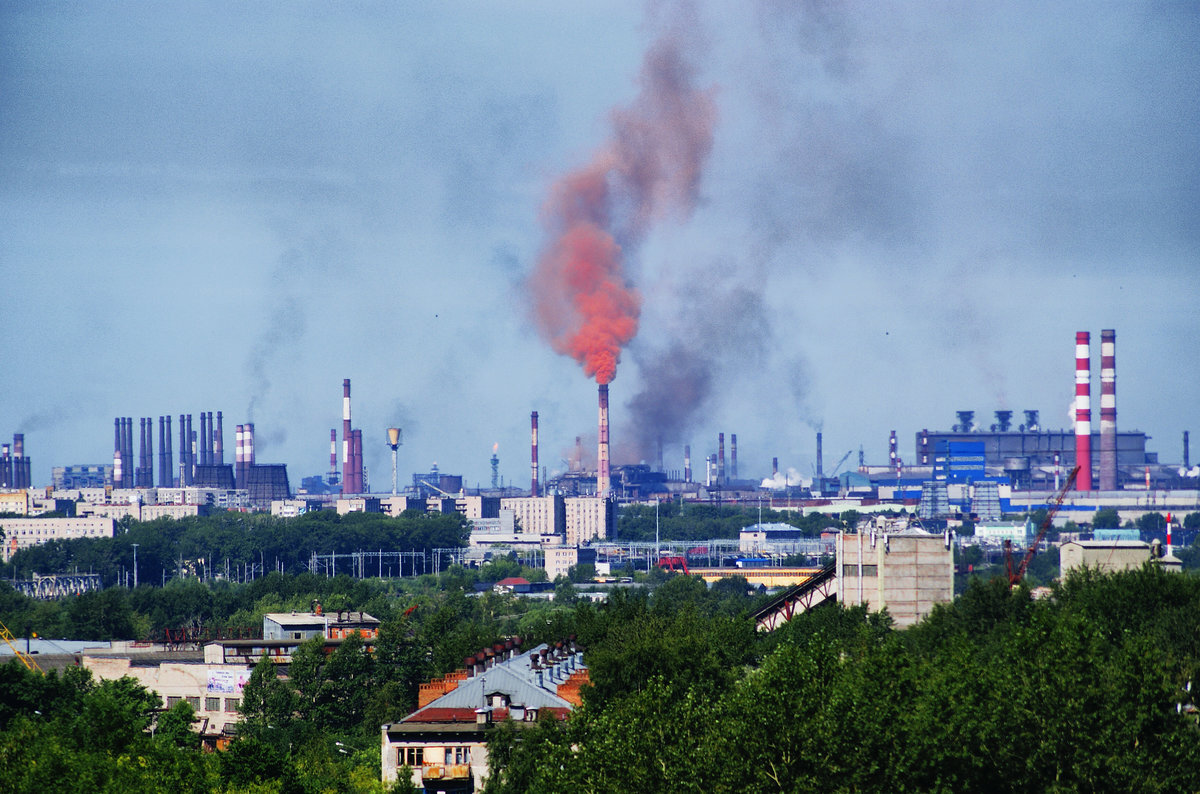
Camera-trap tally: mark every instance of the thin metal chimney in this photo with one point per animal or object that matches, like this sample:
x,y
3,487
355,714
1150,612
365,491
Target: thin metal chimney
x,y
533,447
687,462
720,459
603,476
733,456
169,479
1108,410
820,455
774,467
1083,410
1186,457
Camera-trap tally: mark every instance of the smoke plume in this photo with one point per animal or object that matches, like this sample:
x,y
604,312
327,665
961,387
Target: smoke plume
x,y
596,216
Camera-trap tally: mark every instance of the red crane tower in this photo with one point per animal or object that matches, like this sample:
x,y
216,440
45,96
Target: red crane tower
x,y
1015,576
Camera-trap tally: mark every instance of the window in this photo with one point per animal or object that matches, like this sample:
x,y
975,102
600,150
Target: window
x,y
411,757
231,704
172,700
212,704
870,570
462,755
194,702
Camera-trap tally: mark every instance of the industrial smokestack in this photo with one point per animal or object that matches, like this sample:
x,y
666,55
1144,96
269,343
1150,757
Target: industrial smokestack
x,y
1083,410
687,462
169,476
774,467
356,461
239,456
393,435
248,440
733,456
147,452
893,450
720,459
348,484
210,441
219,442
159,476
1108,410
820,455
118,469
332,453
603,481
202,445
577,465
184,441
1186,457
533,449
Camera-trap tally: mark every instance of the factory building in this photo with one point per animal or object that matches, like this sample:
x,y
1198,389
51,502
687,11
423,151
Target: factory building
x,y
903,569
15,468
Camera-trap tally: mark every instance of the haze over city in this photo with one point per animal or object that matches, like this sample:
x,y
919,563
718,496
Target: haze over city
x,y
887,213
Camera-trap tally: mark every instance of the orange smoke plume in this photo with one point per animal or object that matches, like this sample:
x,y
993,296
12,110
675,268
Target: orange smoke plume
x,y
584,303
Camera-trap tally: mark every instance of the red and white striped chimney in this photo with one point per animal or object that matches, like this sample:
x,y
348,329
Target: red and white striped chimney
x,y
347,465
533,422
603,475
333,450
1083,410
1108,410
687,462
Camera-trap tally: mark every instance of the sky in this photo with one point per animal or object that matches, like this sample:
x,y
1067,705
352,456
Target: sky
x,y
889,212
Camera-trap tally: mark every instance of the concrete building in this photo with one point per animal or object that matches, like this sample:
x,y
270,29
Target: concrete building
x,y
589,518
331,625
561,559
1107,556
444,742
538,515
22,533
905,570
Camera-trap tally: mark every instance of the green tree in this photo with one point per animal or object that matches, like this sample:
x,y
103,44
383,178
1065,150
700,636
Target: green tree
x,y
1151,522
267,701
1106,518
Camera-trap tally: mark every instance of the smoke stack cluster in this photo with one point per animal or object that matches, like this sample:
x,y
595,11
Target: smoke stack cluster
x,y
603,478
533,480
1083,410
15,468
243,454
1108,410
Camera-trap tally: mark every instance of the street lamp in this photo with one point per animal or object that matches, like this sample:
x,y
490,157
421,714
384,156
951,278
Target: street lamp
x,y
135,581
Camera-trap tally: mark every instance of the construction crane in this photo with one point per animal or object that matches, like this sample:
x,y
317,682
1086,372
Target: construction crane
x,y
838,467
1016,575
25,658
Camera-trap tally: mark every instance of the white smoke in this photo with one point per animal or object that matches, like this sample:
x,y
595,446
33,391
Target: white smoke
x,y
782,480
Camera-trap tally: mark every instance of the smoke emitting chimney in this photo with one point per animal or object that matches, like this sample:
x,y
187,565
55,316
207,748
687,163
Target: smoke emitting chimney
x,y
774,467
733,456
687,462
720,459
820,455
533,451
603,479
1083,410
1108,410
1186,455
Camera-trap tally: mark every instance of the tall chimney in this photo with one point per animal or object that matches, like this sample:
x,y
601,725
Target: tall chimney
x,y
191,452
348,485
733,456
219,442
159,477
893,451
1083,410
205,435
147,452
169,471
356,460
239,456
1186,457
603,480
1108,410
5,467
184,439
687,462
720,459
332,452
533,423
820,455
118,464
774,467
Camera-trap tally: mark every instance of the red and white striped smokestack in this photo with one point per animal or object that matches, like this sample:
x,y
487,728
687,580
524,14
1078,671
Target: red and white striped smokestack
x,y
239,456
347,467
333,450
687,462
356,460
117,439
603,477
1108,410
720,459
533,423
1083,410
248,445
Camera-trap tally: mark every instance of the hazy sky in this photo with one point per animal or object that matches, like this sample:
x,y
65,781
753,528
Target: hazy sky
x,y
907,209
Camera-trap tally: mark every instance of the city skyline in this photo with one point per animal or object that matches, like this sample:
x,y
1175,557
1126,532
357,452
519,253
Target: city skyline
x,y
905,212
